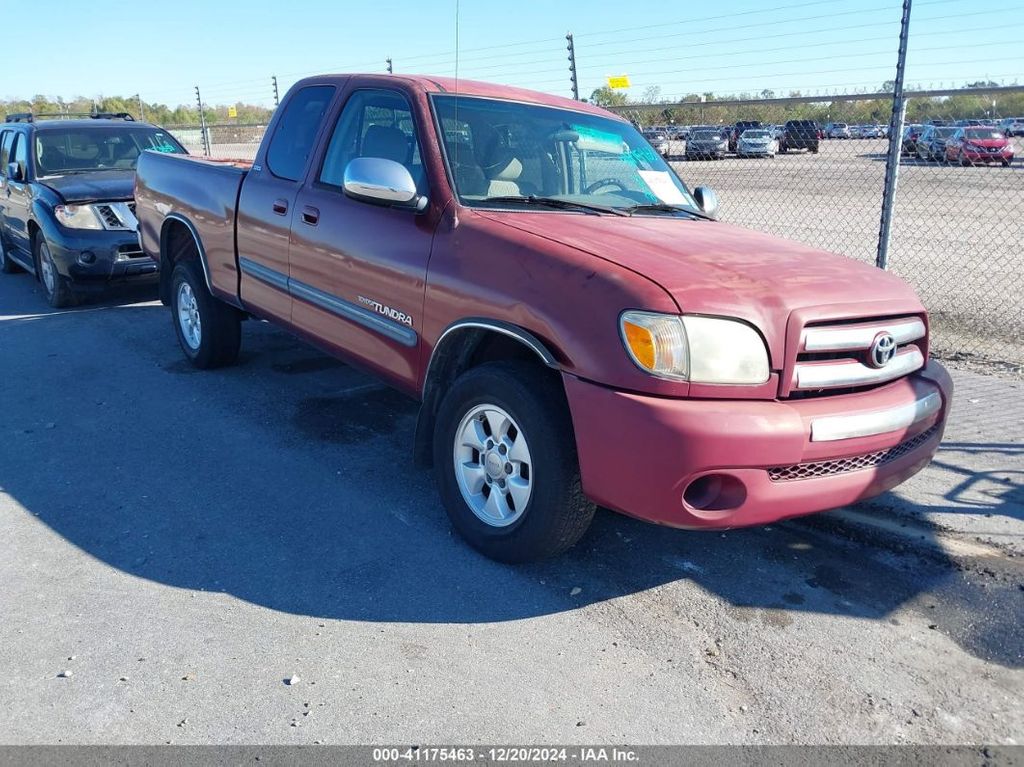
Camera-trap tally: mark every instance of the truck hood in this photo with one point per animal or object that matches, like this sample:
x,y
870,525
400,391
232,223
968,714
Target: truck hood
x,y
709,267
93,186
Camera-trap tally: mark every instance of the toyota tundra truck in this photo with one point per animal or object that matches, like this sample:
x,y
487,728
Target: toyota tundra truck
x,y
578,328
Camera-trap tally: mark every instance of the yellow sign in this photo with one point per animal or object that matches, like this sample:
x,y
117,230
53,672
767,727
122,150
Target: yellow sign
x,y
618,81
232,112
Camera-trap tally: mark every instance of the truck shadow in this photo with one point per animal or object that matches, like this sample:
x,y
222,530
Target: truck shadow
x,y
268,483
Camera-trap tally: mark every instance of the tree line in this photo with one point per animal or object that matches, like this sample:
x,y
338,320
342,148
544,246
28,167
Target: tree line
x,y
160,114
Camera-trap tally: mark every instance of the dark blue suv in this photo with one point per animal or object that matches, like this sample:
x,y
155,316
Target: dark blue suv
x,y
67,213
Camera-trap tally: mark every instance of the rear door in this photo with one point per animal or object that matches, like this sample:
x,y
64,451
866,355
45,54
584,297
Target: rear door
x,y
358,270
266,204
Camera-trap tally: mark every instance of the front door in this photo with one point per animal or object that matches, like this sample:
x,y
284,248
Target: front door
x,y
17,201
266,206
358,270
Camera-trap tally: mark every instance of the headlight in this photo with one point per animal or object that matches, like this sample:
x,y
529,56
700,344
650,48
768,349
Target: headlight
x,y
697,349
77,217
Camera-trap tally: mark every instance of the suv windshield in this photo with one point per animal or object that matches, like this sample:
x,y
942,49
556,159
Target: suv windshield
x,y
501,150
83,149
755,134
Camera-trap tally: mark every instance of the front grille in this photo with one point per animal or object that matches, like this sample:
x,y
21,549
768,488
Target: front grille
x,y
834,357
109,217
846,465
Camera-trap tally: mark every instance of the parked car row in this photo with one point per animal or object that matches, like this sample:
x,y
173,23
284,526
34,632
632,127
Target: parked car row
x,y
962,145
564,328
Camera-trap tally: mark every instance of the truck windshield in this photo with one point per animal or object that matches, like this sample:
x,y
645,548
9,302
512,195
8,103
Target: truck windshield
x,y
501,150
80,150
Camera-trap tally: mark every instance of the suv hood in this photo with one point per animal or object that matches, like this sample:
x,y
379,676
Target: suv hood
x,y
93,186
713,268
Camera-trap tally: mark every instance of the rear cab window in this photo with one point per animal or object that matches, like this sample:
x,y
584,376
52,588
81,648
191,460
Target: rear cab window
x,y
297,130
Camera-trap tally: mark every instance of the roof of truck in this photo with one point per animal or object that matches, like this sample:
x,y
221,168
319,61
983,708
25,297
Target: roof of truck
x,y
431,84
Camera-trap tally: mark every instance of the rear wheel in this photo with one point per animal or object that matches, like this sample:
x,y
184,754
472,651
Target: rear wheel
x,y
209,331
56,287
505,457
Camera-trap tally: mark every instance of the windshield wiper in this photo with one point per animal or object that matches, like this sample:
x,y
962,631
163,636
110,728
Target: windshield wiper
x,y
556,202
664,207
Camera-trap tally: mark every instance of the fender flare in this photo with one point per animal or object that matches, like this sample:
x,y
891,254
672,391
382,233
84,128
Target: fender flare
x,y
430,399
195,236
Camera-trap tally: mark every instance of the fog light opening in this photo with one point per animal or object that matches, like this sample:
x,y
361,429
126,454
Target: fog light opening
x,y
715,492
86,257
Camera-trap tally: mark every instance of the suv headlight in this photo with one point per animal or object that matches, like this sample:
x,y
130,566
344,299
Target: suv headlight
x,y
77,217
698,349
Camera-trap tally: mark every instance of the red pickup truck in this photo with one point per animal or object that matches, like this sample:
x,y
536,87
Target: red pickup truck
x,y
579,329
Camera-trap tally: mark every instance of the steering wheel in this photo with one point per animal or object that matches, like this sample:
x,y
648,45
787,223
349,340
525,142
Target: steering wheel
x,y
605,182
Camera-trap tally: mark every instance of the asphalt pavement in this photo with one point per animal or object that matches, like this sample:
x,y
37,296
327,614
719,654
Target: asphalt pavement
x,y
249,556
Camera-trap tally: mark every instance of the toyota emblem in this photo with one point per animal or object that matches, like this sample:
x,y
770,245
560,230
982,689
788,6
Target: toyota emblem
x,y
883,349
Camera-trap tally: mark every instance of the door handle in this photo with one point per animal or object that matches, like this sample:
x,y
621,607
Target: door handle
x,y
310,215
280,207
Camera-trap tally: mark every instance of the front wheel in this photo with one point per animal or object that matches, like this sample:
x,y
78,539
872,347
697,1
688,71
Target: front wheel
x,y
506,464
56,286
209,331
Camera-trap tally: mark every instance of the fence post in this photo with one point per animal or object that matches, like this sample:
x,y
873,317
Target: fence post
x,y
572,67
892,161
202,123
277,98
388,61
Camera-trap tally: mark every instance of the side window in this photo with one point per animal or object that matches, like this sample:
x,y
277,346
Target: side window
x,y
20,152
374,124
6,140
293,139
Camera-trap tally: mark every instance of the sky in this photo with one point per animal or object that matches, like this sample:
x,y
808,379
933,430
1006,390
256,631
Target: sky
x,y
232,48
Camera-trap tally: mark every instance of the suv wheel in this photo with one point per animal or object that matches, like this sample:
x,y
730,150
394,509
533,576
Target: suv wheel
x,y
506,464
209,331
56,286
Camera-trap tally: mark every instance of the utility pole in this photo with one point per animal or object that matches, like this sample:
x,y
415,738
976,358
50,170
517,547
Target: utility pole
x,y
142,108
277,99
572,67
202,123
892,161
390,70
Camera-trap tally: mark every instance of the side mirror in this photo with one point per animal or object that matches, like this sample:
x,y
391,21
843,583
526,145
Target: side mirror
x,y
14,171
707,200
386,182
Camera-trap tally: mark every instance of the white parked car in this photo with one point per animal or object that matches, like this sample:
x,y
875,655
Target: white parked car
x,y
837,130
757,142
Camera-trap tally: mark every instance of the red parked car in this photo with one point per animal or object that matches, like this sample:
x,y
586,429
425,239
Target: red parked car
x,y
970,145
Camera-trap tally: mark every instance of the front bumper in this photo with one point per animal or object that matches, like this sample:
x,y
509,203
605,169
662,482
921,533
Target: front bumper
x,y
731,463
92,259
974,156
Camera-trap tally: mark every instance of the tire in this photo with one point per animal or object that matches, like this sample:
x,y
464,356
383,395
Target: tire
x,y
209,331
56,287
962,159
7,266
525,404
1005,163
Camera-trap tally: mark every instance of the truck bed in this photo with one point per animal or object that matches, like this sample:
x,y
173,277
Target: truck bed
x,y
201,193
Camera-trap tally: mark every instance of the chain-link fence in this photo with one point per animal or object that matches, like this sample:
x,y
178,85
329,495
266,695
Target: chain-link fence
x,y
227,141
